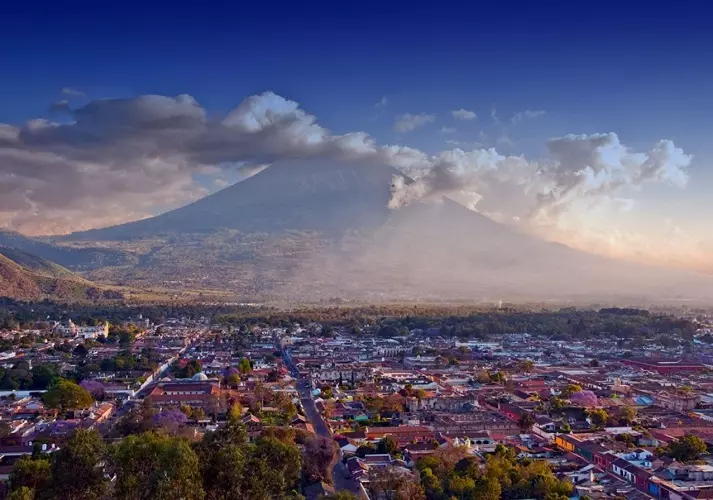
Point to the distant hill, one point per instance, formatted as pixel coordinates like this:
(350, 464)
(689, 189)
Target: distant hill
(28, 277)
(77, 259)
(38, 265)
(311, 231)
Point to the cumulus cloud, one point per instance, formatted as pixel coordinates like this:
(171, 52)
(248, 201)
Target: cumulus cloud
(464, 114)
(125, 159)
(409, 122)
(119, 159)
(512, 188)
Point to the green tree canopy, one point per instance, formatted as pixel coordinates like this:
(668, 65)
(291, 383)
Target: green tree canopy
(22, 493)
(569, 390)
(687, 448)
(233, 469)
(598, 417)
(156, 467)
(244, 366)
(66, 395)
(77, 468)
(35, 475)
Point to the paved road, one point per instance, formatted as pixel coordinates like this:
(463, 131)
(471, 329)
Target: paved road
(339, 470)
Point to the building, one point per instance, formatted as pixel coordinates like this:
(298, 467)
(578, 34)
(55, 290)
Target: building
(194, 393)
(664, 366)
(85, 332)
(677, 401)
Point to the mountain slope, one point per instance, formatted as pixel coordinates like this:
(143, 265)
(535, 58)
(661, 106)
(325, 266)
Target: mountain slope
(307, 231)
(74, 258)
(287, 197)
(28, 277)
(38, 265)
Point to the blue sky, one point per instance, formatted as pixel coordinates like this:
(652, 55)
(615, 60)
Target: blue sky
(642, 72)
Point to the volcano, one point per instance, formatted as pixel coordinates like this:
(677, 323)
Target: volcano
(307, 230)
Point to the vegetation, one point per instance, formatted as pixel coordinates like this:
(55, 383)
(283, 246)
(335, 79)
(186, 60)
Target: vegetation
(77, 468)
(455, 321)
(26, 277)
(66, 395)
(598, 416)
(687, 448)
(151, 465)
(450, 474)
(526, 421)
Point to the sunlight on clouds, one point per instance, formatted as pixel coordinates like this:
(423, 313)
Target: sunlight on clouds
(120, 159)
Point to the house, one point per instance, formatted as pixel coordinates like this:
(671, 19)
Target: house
(402, 434)
(191, 393)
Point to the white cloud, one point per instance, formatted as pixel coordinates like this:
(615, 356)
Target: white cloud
(527, 114)
(579, 169)
(447, 130)
(464, 114)
(120, 159)
(409, 122)
(72, 92)
(381, 104)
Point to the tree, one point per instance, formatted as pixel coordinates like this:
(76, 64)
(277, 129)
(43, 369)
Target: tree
(138, 420)
(77, 472)
(395, 484)
(244, 366)
(94, 388)
(387, 444)
(526, 421)
(318, 456)
(598, 417)
(526, 365)
(365, 449)
(232, 380)
(235, 412)
(487, 489)
(223, 473)
(34, 475)
(282, 459)
(80, 351)
(157, 467)
(66, 395)
(234, 469)
(43, 374)
(627, 415)
(23, 493)
(569, 390)
(170, 421)
(686, 448)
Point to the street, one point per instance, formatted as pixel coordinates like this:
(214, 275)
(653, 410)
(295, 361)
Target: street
(339, 470)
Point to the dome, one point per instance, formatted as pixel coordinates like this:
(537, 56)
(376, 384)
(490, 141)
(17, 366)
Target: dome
(199, 376)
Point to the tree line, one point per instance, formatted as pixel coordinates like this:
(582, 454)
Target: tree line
(224, 464)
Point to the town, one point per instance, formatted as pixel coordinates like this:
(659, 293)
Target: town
(618, 403)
